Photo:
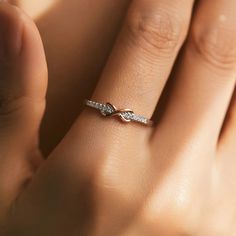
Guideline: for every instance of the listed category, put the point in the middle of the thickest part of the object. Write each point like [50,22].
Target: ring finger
[143,56]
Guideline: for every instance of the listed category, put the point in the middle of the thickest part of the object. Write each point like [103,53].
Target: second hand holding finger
[134,77]
[102,177]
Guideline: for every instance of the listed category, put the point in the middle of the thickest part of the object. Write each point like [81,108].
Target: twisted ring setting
[126,115]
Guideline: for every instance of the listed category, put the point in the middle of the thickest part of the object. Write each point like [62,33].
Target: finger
[205,79]
[134,77]
[142,59]
[23,79]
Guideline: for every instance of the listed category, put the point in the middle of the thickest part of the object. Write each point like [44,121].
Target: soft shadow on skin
[78,36]
[229,116]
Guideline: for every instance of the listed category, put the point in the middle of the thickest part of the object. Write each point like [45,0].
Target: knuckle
[174,217]
[7,102]
[172,212]
[217,45]
[12,102]
[154,30]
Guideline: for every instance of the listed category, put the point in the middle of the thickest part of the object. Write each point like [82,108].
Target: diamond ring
[126,115]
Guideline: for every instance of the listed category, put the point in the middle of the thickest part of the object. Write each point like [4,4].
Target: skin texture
[171,58]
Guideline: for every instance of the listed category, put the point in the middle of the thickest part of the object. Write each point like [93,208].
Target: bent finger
[23,81]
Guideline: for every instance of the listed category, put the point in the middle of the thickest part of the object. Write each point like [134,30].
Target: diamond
[109,109]
[128,115]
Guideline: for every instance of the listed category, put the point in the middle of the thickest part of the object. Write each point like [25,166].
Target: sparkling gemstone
[109,109]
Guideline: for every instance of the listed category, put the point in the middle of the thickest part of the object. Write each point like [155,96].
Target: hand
[111,178]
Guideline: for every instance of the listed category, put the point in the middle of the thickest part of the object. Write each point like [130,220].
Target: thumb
[23,82]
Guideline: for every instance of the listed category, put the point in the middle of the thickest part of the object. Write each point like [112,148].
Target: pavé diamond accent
[126,115]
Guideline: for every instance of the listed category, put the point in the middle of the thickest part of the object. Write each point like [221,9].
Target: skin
[176,178]
[85,57]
